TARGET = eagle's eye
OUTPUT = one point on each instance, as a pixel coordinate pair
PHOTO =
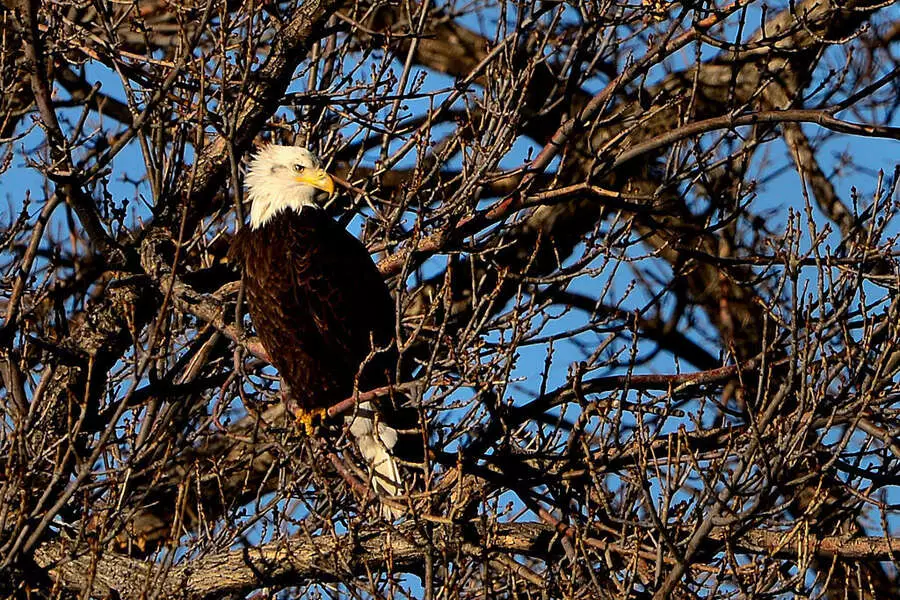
(299, 168)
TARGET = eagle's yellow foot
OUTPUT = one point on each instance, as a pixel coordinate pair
(309, 420)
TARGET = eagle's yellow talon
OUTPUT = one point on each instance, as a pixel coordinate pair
(309, 420)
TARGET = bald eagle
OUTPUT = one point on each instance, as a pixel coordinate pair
(318, 303)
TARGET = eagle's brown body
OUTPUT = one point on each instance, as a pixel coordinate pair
(319, 305)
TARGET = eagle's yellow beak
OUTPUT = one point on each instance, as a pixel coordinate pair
(317, 178)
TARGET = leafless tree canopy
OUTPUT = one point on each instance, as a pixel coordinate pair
(643, 264)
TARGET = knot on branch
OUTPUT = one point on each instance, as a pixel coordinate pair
(157, 254)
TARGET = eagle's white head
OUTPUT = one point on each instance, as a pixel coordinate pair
(283, 177)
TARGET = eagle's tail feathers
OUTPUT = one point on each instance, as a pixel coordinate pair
(376, 450)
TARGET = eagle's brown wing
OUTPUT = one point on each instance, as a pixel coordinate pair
(319, 305)
(344, 295)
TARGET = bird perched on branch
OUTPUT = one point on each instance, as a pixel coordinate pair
(318, 303)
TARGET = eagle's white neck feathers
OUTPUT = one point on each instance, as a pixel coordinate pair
(272, 182)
